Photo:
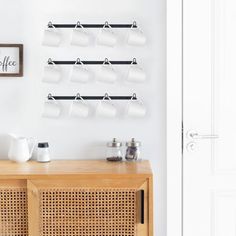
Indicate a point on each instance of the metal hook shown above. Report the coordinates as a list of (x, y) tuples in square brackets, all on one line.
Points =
[(134, 96), (106, 96), (134, 24), (78, 24), (50, 60), (50, 96), (134, 61), (106, 61), (106, 24), (78, 96), (50, 24), (78, 61)]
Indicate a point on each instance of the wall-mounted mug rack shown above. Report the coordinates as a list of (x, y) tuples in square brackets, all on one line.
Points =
[(106, 25), (105, 97), (105, 62)]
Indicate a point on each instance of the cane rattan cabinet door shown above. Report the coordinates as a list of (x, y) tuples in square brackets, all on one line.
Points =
[(99, 207), (13, 208)]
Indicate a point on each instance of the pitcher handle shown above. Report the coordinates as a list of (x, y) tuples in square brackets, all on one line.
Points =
[(32, 143)]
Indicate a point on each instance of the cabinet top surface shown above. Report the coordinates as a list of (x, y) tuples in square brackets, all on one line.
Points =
[(71, 167)]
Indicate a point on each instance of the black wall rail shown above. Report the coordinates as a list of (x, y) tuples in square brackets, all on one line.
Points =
[(51, 62), (91, 26), (78, 25), (105, 97)]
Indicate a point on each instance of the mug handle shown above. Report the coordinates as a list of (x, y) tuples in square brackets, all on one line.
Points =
[(107, 25), (106, 61), (50, 97), (106, 96), (78, 25), (134, 62), (51, 62), (51, 26), (78, 96), (32, 143), (79, 62), (134, 25)]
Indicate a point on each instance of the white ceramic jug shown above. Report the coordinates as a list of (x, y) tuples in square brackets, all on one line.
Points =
[(21, 148)]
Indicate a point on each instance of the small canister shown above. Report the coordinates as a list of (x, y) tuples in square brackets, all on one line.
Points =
[(133, 150), (43, 154), (114, 152)]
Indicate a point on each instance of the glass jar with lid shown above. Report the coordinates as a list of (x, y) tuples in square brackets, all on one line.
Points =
[(114, 150), (133, 150)]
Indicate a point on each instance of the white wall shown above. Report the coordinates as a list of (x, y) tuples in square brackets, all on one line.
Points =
[(21, 99)]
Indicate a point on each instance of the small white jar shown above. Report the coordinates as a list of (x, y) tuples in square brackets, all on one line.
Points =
[(43, 154)]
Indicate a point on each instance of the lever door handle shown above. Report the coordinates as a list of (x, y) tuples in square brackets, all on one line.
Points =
[(195, 135)]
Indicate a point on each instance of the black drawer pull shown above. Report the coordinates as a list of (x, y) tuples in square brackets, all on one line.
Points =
[(142, 207)]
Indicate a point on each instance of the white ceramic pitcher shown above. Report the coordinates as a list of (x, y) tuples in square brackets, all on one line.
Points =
[(21, 148)]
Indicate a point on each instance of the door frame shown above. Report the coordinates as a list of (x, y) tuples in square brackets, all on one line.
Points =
[(174, 117)]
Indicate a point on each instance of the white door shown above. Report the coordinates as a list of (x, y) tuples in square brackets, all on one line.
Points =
[(209, 110)]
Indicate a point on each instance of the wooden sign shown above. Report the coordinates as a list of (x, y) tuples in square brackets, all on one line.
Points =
[(11, 60)]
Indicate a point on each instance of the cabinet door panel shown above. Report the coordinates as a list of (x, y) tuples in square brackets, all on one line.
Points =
[(13, 208), (102, 207)]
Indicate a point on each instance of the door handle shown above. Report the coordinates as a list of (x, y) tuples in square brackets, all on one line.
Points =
[(140, 206), (191, 134)]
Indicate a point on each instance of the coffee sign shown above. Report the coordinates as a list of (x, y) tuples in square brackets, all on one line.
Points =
[(11, 60)]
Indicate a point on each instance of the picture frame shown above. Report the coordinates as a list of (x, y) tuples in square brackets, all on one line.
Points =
[(11, 60)]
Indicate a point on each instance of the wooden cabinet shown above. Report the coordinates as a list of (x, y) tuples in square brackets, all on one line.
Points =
[(13, 208), (76, 198)]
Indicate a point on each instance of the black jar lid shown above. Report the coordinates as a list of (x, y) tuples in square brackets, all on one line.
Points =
[(43, 145)]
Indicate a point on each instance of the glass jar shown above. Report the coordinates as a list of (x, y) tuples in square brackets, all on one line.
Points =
[(133, 150), (114, 151)]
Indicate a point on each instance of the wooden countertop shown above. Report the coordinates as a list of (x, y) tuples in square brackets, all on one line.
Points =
[(73, 167)]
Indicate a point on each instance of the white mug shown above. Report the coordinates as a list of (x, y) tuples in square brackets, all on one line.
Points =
[(52, 73), (136, 37), (80, 37), (106, 108), (136, 74), (80, 73), (135, 109), (79, 108), (52, 37), (52, 109), (107, 37), (107, 73)]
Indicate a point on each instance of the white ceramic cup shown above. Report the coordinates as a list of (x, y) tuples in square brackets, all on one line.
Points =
[(136, 37), (107, 73), (79, 73), (136, 74), (52, 74), (79, 108), (52, 37), (80, 37), (135, 109), (106, 36), (106, 109), (52, 109)]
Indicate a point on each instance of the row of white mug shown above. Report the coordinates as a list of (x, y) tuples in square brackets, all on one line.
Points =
[(82, 37), (105, 108), (80, 73)]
